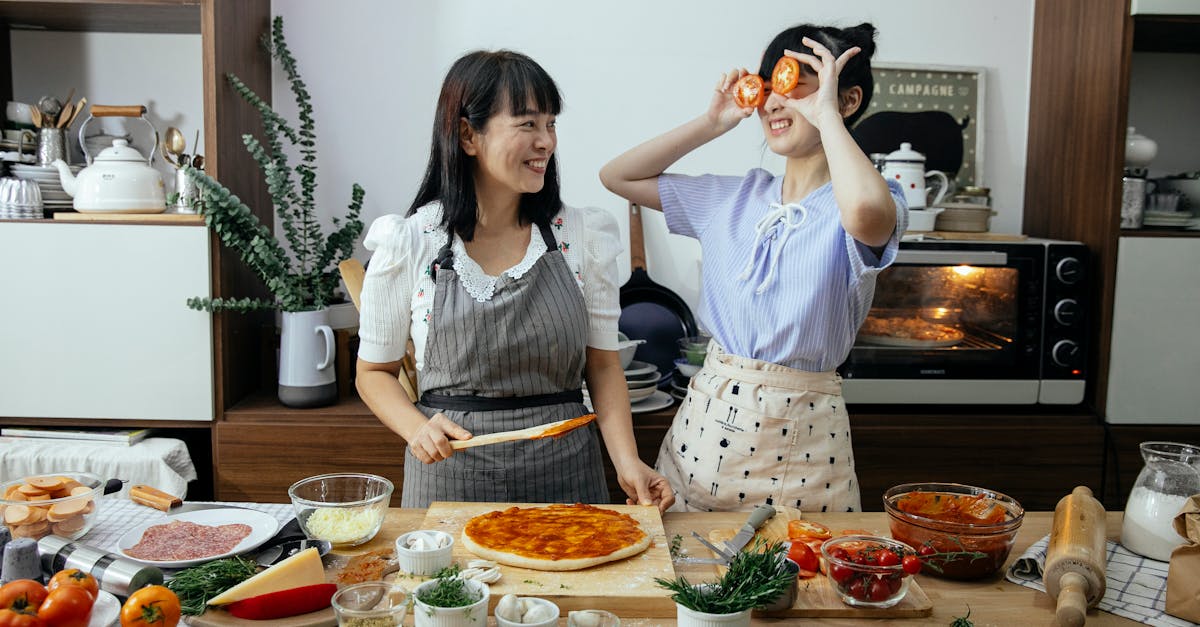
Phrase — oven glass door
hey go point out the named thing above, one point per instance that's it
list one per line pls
(947, 314)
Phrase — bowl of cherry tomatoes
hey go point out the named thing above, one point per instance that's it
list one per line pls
(870, 571)
(961, 532)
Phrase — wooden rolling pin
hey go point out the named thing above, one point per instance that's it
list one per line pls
(1076, 556)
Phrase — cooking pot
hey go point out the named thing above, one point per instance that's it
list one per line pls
(119, 179)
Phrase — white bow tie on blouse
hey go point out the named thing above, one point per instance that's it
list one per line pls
(778, 224)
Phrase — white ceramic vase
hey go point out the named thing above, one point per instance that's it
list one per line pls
(474, 615)
(306, 354)
(685, 617)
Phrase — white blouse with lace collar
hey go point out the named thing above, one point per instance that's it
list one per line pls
(397, 294)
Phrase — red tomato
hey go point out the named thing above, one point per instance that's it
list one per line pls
(67, 606)
(887, 558)
(858, 589)
(878, 590)
(749, 92)
(926, 550)
(911, 564)
(806, 529)
(74, 577)
(22, 594)
(786, 75)
(840, 573)
(804, 556)
(152, 606)
(14, 618)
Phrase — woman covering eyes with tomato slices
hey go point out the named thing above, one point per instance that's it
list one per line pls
(789, 274)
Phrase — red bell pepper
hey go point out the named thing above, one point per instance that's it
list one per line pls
(291, 602)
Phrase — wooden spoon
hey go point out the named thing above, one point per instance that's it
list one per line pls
(78, 108)
(552, 430)
(65, 115)
(37, 116)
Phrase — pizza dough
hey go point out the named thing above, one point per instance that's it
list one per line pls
(905, 331)
(555, 537)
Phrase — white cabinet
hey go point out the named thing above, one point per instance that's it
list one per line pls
(1164, 7)
(1154, 367)
(94, 322)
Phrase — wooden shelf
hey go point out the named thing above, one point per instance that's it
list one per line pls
(137, 16)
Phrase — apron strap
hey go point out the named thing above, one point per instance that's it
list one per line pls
(490, 403)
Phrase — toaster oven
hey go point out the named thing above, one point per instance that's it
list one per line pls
(974, 322)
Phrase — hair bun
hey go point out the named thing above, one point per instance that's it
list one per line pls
(862, 36)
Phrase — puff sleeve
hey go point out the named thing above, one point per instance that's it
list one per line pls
(601, 293)
(387, 290)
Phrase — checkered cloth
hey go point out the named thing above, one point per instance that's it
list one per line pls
(117, 515)
(1136, 588)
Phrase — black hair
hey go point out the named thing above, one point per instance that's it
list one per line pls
(479, 85)
(858, 69)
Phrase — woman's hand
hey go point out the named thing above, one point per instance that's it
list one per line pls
(643, 486)
(824, 104)
(431, 442)
(723, 113)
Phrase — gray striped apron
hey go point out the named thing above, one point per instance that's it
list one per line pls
(513, 362)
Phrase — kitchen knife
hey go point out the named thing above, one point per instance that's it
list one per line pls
(758, 518)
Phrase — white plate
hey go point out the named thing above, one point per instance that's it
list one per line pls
(638, 394)
(641, 385)
(639, 368)
(105, 610)
(262, 528)
(656, 401)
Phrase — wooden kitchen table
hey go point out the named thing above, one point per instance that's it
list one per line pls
(992, 601)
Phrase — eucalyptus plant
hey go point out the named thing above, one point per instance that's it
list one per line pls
(302, 276)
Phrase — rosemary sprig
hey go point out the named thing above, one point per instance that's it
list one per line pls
(448, 591)
(963, 621)
(676, 546)
(934, 561)
(195, 586)
(755, 578)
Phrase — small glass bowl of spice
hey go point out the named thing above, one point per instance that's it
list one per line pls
(371, 604)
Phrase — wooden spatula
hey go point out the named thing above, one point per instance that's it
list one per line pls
(552, 430)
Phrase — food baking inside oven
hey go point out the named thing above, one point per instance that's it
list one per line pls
(957, 309)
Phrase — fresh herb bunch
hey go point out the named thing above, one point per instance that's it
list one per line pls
(195, 586)
(449, 590)
(933, 559)
(305, 278)
(755, 578)
(963, 621)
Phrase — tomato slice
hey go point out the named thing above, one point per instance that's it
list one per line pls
(749, 92)
(805, 529)
(785, 76)
(804, 557)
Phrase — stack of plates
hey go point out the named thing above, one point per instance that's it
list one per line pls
(1168, 219)
(54, 199)
(644, 396)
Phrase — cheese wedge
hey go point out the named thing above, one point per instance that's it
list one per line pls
(301, 569)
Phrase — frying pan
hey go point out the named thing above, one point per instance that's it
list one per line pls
(650, 311)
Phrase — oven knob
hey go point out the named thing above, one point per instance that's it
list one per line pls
(1069, 270)
(1066, 311)
(1065, 353)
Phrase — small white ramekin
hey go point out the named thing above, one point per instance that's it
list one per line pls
(424, 563)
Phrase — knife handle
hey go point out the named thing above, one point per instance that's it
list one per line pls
(759, 517)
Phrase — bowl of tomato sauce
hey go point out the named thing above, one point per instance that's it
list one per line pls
(959, 531)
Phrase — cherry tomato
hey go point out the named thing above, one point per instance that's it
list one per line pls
(886, 557)
(801, 528)
(878, 590)
(840, 553)
(911, 564)
(749, 92)
(858, 589)
(22, 595)
(804, 557)
(74, 577)
(926, 550)
(785, 76)
(67, 606)
(152, 606)
(894, 583)
(20, 618)
(840, 573)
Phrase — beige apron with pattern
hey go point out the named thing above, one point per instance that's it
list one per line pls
(752, 432)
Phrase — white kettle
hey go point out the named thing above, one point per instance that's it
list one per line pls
(119, 179)
(907, 167)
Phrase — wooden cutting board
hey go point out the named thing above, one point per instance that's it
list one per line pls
(625, 587)
(221, 618)
(817, 598)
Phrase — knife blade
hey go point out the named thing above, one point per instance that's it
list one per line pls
(758, 518)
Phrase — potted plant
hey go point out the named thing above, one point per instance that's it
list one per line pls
(755, 578)
(303, 276)
(448, 600)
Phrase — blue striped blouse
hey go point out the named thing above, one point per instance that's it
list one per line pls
(781, 284)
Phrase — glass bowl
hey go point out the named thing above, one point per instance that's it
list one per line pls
(346, 509)
(371, 604)
(960, 531)
(62, 503)
(694, 348)
(861, 576)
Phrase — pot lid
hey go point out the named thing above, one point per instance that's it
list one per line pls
(906, 154)
(120, 151)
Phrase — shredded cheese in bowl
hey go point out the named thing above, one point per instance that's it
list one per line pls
(343, 526)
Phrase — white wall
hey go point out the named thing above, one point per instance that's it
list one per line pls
(1164, 89)
(374, 67)
(628, 70)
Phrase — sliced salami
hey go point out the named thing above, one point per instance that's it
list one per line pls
(182, 540)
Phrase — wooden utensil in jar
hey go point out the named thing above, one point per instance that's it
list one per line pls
(78, 108)
(1076, 556)
(64, 116)
(552, 430)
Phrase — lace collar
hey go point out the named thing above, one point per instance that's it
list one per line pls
(482, 286)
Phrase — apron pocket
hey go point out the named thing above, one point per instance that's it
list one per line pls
(454, 479)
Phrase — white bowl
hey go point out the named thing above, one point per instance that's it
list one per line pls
(920, 220)
(686, 369)
(626, 348)
(19, 113)
(424, 562)
(473, 615)
(640, 393)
